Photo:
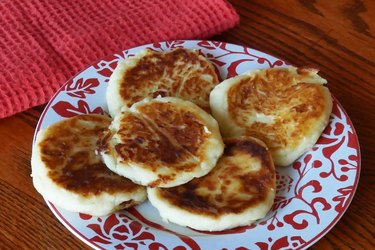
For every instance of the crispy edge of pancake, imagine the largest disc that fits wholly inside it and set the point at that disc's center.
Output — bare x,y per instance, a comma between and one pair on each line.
112,160
181,217
133,171
219,106
175,214
228,128
97,205
286,156
114,100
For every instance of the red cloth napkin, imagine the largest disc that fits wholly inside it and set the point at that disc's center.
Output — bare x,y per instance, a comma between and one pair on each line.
45,42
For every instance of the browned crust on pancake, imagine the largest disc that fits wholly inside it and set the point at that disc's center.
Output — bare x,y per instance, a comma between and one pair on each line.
102,144
183,126
126,204
162,73
142,143
269,91
161,136
252,189
80,171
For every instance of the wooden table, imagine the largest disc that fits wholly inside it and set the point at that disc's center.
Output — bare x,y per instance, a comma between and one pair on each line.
338,37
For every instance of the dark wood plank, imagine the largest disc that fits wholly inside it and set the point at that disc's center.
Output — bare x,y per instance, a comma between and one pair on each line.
27,223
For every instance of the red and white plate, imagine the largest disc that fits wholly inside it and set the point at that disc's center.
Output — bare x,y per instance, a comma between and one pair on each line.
312,194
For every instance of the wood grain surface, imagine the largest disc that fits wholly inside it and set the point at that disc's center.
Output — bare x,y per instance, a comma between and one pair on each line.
338,37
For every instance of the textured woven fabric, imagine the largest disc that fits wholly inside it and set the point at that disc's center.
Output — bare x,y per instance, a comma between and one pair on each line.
45,42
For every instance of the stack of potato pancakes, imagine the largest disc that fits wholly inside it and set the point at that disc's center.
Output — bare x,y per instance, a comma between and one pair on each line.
202,152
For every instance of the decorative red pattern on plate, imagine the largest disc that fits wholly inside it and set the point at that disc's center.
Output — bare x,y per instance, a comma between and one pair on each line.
118,226
312,193
190,242
245,53
285,242
66,109
79,88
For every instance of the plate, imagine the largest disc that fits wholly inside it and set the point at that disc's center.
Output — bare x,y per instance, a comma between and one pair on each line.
312,193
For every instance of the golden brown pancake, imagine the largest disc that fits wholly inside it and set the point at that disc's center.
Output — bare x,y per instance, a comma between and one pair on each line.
162,142
239,190
178,73
67,171
287,108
